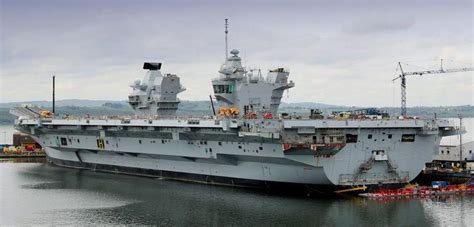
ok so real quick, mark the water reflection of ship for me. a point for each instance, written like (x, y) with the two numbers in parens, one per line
(149, 201)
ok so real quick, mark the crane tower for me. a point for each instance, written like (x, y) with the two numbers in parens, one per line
(403, 75)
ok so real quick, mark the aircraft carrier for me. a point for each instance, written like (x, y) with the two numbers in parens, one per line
(245, 142)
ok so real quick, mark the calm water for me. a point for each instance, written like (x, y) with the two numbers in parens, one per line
(38, 193)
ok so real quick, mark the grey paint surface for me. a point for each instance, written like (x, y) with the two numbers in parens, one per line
(239, 147)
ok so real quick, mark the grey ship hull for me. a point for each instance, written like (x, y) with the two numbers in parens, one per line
(189, 177)
(237, 146)
(224, 152)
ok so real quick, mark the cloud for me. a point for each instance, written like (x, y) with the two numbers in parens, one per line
(379, 24)
(338, 52)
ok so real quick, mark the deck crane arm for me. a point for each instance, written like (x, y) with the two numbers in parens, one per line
(403, 75)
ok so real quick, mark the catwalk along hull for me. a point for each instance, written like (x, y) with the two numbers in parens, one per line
(230, 151)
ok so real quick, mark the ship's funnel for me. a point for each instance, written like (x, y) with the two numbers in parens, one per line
(155, 94)
(152, 66)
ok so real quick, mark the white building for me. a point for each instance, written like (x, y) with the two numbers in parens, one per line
(451, 153)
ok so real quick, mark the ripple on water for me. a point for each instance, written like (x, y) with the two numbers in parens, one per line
(45, 185)
(455, 210)
(42, 194)
(48, 203)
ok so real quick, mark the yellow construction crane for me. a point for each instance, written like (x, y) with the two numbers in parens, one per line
(403, 75)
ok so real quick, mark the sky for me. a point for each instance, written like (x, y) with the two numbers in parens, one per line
(338, 52)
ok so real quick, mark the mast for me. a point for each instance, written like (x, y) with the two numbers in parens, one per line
(212, 105)
(460, 139)
(54, 91)
(226, 48)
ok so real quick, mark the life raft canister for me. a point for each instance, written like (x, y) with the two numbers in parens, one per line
(286, 146)
(267, 116)
(251, 115)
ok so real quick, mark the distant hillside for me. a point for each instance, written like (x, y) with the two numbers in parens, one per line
(64, 102)
(308, 105)
(95, 103)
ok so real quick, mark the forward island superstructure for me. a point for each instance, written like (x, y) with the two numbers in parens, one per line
(245, 143)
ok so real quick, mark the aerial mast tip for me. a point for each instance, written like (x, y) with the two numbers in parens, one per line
(54, 94)
(226, 47)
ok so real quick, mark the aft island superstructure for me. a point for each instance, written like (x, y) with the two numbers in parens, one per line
(245, 143)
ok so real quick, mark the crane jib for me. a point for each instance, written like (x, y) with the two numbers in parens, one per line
(403, 81)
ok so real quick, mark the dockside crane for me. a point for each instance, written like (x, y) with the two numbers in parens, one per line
(403, 75)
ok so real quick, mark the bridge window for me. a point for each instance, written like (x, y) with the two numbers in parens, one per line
(227, 89)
